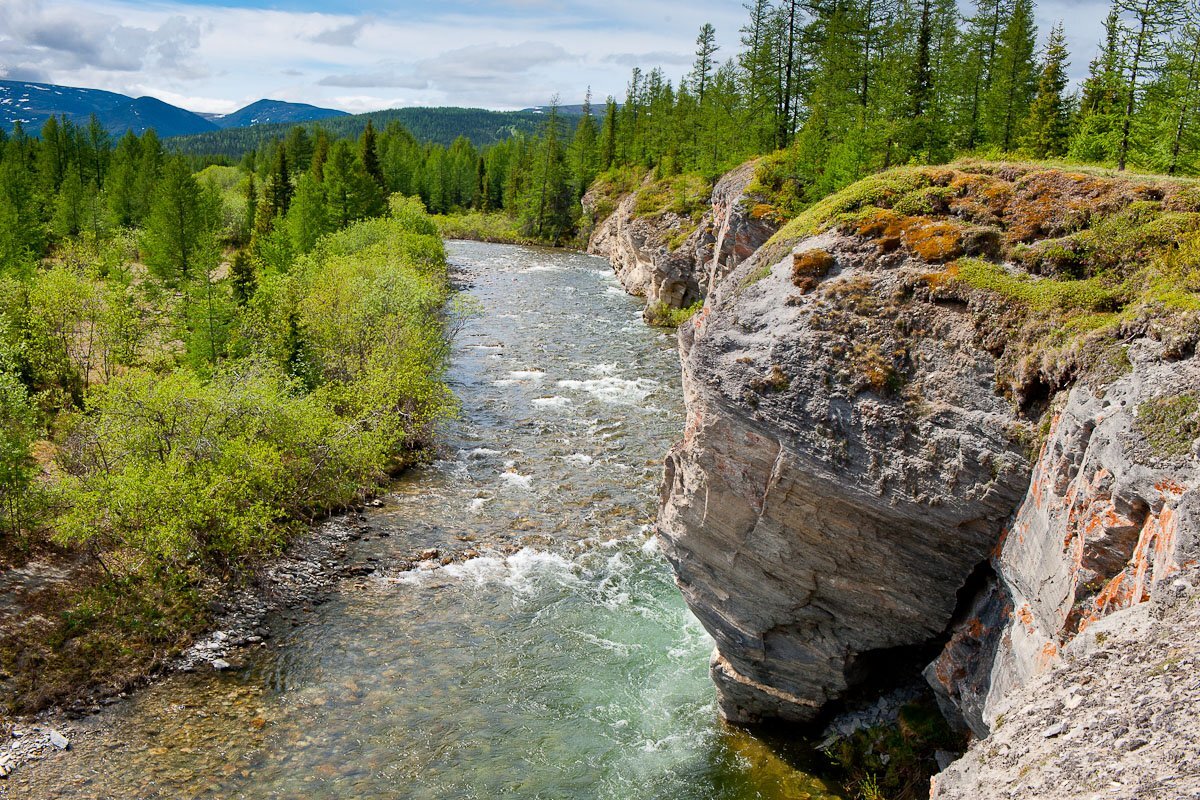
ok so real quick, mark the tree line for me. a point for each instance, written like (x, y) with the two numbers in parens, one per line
(835, 91)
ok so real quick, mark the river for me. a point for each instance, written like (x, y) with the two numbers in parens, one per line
(567, 667)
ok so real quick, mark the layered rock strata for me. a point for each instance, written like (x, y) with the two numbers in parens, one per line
(1105, 523)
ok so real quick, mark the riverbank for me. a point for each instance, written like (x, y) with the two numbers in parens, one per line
(183, 483)
(480, 226)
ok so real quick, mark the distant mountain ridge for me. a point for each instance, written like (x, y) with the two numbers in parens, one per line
(435, 125)
(31, 104)
(268, 112)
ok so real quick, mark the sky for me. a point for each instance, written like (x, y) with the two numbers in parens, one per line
(218, 56)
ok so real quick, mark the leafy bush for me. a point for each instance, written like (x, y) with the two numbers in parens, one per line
(664, 316)
(18, 425)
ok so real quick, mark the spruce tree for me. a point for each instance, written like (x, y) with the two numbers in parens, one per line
(608, 142)
(369, 154)
(179, 241)
(1048, 127)
(1015, 82)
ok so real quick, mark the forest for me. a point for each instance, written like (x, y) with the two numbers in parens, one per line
(191, 370)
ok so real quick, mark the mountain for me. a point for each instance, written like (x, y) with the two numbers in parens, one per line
(266, 112)
(32, 104)
(437, 125)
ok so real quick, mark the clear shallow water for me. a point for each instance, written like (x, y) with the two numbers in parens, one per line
(569, 668)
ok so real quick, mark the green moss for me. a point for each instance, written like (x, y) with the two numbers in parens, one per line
(881, 191)
(1039, 293)
(609, 187)
(754, 277)
(1170, 424)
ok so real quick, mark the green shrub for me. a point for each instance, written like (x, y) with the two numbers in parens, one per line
(664, 316)
(686, 195)
(18, 427)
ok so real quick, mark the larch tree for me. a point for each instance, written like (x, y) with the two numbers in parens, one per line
(1149, 21)
(179, 240)
(1015, 80)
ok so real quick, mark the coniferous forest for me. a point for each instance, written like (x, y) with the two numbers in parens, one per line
(196, 351)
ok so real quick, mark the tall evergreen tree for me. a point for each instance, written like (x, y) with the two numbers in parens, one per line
(1150, 20)
(369, 153)
(179, 241)
(548, 206)
(1048, 127)
(1015, 81)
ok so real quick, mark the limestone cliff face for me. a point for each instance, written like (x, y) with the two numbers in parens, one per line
(1105, 523)
(920, 433)
(668, 257)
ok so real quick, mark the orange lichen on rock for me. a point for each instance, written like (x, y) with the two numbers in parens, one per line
(1052, 203)
(936, 242)
(979, 198)
(809, 267)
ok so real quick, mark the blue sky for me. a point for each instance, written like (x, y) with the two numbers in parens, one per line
(218, 56)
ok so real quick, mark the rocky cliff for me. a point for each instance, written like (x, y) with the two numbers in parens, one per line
(670, 248)
(945, 419)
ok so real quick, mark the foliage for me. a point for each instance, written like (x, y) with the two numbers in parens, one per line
(664, 316)
(481, 227)
(17, 432)
(205, 403)
(895, 761)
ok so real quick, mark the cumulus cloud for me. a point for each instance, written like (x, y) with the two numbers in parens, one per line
(37, 38)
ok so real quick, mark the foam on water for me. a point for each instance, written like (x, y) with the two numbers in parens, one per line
(614, 390)
(568, 669)
(551, 402)
(517, 480)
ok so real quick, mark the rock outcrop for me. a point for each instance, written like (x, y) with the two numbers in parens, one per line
(1114, 718)
(946, 420)
(673, 259)
(1106, 521)
(820, 516)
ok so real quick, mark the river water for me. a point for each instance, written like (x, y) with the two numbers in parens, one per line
(563, 665)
